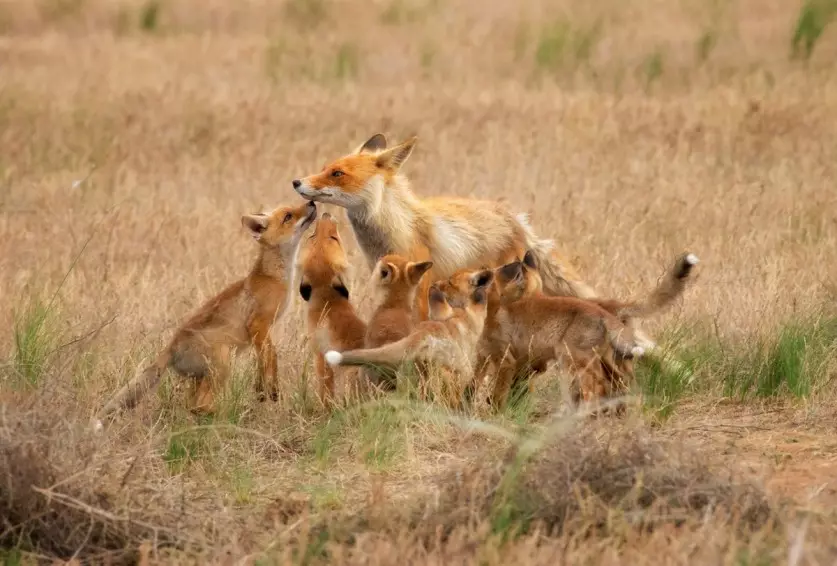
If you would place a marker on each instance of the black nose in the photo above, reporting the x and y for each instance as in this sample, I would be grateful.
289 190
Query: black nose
296 183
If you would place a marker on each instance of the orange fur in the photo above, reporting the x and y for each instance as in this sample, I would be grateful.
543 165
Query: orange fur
240 316
447 342
323 287
396 280
453 233
524 326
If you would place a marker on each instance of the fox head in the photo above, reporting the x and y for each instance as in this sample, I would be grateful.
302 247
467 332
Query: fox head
357 180
473 303
285 225
396 275
324 263
518 279
461 285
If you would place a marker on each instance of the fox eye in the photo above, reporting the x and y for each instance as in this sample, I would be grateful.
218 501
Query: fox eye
337 173
288 217
384 273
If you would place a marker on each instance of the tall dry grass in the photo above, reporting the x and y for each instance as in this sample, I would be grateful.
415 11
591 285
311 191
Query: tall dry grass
133 134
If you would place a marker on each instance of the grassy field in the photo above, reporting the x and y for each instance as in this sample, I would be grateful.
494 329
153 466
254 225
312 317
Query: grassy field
134 133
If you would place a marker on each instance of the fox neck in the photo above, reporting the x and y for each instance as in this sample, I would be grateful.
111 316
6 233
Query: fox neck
277 262
386 221
467 324
399 298
476 321
327 301
493 304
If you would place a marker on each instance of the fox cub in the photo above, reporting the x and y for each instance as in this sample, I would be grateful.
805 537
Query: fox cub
526 329
396 281
331 318
447 342
238 317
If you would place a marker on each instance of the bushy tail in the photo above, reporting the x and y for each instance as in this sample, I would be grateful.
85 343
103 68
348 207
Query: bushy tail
668 289
559 277
134 390
390 355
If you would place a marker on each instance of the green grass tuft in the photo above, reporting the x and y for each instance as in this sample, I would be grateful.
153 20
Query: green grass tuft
185 447
652 68
814 17
375 432
665 378
35 340
346 61
795 362
562 45
705 45
150 16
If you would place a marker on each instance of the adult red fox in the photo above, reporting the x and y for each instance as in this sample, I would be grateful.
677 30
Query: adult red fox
454 233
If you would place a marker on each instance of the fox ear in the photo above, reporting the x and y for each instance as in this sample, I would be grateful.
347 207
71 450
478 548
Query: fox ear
479 297
255 223
394 158
436 295
530 260
482 278
375 143
386 271
416 270
338 285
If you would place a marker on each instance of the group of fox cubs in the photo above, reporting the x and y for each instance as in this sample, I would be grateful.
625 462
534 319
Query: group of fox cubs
462 285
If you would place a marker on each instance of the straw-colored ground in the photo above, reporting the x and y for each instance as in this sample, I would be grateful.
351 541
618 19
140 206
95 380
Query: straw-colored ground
134 134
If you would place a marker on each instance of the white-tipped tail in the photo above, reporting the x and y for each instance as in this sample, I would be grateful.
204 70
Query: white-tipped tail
692 259
637 351
333 358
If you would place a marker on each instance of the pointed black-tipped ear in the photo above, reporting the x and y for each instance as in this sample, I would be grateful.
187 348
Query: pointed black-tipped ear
436 295
483 278
395 157
340 287
375 143
529 260
305 291
415 271
255 223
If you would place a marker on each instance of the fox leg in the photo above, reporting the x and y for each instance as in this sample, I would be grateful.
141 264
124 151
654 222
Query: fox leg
203 398
503 381
480 369
207 386
595 385
325 379
422 300
266 381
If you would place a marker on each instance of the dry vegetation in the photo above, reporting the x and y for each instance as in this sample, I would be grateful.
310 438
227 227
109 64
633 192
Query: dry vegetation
133 133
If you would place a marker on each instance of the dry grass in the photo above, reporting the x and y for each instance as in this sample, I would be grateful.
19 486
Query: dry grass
134 133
